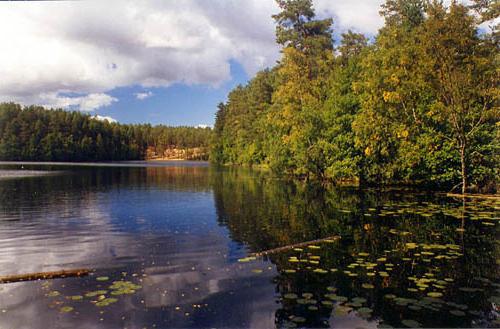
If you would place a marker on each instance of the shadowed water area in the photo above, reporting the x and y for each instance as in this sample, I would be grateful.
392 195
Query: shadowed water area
170 245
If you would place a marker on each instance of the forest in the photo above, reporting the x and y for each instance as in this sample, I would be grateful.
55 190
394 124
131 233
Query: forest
416 105
36 134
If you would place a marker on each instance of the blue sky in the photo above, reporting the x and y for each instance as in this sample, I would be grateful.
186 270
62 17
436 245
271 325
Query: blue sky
178 104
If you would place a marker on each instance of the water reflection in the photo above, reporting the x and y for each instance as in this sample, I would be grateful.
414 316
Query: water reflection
179 231
405 258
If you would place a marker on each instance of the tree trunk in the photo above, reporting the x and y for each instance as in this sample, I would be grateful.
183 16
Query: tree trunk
464 168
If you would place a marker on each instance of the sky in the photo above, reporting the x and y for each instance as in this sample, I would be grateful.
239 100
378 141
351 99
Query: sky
158 62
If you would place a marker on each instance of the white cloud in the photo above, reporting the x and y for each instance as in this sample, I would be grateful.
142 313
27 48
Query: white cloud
104 118
89 102
361 16
143 95
203 126
51 49
59 48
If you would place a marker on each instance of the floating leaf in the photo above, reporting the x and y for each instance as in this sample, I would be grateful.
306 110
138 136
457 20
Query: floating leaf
290 296
298 319
96 293
106 302
246 259
102 278
365 310
54 293
342 310
434 294
359 300
75 298
66 309
367 286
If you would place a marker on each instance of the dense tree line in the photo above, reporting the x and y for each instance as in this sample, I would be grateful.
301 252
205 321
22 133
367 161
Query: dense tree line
418 105
37 134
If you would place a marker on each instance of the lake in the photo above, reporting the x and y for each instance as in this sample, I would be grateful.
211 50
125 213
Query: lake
170 244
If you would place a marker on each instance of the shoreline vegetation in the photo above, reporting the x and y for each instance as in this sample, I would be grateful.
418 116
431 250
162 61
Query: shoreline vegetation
417 105
34 133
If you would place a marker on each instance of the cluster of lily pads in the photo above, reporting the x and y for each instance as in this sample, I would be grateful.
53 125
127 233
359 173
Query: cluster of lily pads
484 210
426 287
102 297
341 304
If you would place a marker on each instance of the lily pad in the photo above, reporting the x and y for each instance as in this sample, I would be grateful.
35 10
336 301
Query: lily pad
359 300
106 302
342 310
96 293
435 294
365 310
54 293
102 278
66 309
367 286
298 319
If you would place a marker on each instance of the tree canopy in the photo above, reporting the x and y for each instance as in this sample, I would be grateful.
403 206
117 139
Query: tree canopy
417 105
37 134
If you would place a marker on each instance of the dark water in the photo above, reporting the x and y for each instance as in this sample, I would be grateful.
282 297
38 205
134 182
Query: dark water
169 243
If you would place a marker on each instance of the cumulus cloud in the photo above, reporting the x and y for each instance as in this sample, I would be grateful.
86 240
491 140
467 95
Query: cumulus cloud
203 126
361 16
51 49
87 103
143 95
104 118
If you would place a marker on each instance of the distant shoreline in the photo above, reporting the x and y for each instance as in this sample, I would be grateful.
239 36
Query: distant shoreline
131 163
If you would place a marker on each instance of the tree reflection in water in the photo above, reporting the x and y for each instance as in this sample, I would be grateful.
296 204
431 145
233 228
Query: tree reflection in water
404 258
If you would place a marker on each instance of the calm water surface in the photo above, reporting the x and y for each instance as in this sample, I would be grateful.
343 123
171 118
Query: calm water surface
170 245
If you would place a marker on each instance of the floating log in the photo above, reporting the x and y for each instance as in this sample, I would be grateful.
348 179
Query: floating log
44 275
474 196
291 246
